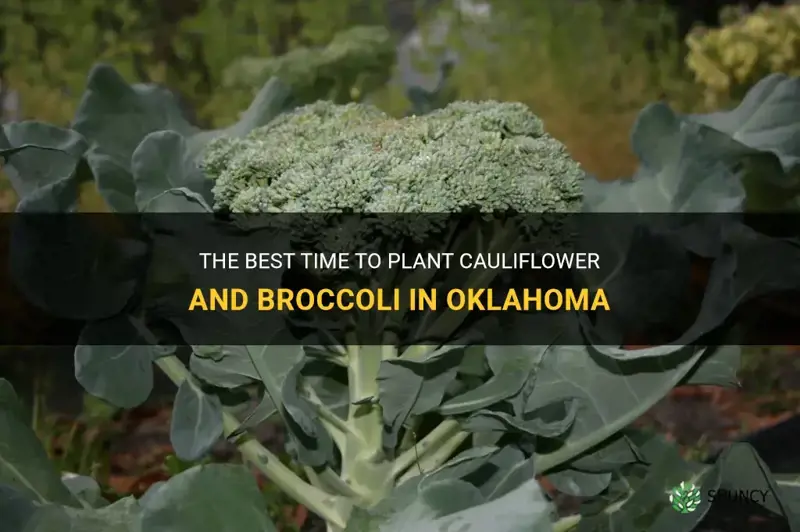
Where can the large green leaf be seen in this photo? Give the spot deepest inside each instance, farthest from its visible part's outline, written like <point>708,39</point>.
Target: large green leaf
<point>85,489</point>
<point>706,162</point>
<point>65,265</point>
<point>177,241</point>
<point>233,366</point>
<point>62,264</point>
<point>120,372</point>
<point>682,199</point>
<point>40,158</point>
<point>640,498</point>
<point>116,117</point>
<point>24,464</point>
<point>550,421</point>
<point>457,505</point>
<point>309,441</point>
<point>644,277</point>
<point>750,265</point>
<point>163,163</point>
<point>196,421</point>
<point>765,120</point>
<point>122,516</point>
<point>612,392</point>
<point>16,508</point>
<point>719,367</point>
<point>681,171</point>
<point>209,498</point>
<point>413,387</point>
<point>511,369</point>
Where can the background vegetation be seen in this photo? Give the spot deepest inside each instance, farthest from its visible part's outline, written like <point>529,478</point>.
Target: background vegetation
<point>586,66</point>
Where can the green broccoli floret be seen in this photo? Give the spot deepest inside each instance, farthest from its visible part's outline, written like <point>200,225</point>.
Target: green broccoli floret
<point>326,158</point>
<point>355,62</point>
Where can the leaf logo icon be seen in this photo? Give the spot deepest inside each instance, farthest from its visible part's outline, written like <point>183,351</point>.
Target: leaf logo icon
<point>685,498</point>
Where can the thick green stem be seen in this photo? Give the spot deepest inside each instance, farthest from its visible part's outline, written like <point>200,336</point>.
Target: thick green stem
<point>410,437</point>
<point>364,466</point>
<point>336,426</point>
<point>321,503</point>
<point>565,524</point>
<point>448,322</point>
<point>436,443</point>
<point>437,458</point>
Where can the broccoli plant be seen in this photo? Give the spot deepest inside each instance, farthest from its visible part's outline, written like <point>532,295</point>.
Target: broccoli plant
<point>355,63</point>
<point>456,434</point>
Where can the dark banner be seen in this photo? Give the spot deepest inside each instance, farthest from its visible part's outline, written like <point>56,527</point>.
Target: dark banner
<point>201,279</point>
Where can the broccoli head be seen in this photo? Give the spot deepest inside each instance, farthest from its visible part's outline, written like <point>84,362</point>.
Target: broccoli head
<point>356,62</point>
<point>327,158</point>
<point>326,161</point>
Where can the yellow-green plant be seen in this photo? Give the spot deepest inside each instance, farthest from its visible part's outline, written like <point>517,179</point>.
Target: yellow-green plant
<point>727,61</point>
<point>47,45</point>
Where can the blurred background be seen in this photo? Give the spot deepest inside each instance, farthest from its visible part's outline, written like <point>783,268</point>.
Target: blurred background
<point>586,67</point>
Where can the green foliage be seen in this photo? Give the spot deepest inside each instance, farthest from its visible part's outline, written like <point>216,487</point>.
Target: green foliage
<point>729,60</point>
<point>354,64</point>
<point>588,90</point>
<point>487,419</point>
<point>37,34</point>
<point>498,153</point>
<point>49,45</point>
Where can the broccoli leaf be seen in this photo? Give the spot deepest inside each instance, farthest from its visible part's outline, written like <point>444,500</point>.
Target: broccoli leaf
<point>456,504</point>
<point>160,164</point>
<point>719,367</point>
<point>122,516</point>
<point>196,421</point>
<point>40,158</point>
<point>413,387</point>
<point>17,509</point>
<point>680,171</point>
<point>640,498</point>
<point>597,377</point>
<point>54,259</point>
<point>762,135</point>
<point>24,464</point>
<point>310,443</point>
<point>208,498</point>
<point>114,362</point>
<point>765,120</point>
<point>115,118</point>
<point>68,266</point>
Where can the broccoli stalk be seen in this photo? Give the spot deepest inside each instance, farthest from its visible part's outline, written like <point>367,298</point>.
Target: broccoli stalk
<point>326,160</point>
